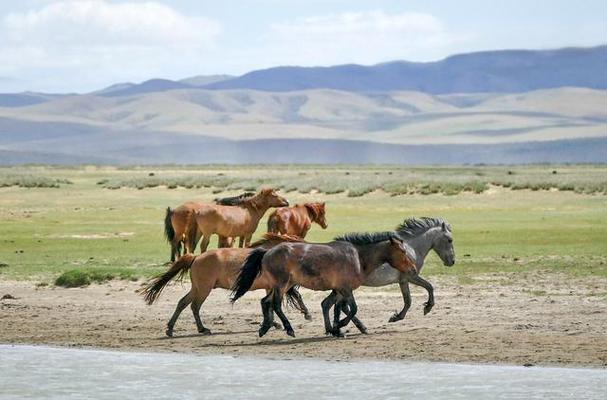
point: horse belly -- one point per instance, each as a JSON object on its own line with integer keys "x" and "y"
{"x": 382, "y": 276}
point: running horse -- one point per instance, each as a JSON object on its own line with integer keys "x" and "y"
{"x": 180, "y": 224}
{"x": 423, "y": 235}
{"x": 212, "y": 269}
{"x": 297, "y": 220}
{"x": 340, "y": 266}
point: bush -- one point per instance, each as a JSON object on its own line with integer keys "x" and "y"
{"x": 80, "y": 277}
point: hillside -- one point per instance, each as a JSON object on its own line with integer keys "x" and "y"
{"x": 503, "y": 71}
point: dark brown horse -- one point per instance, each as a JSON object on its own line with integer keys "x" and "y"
{"x": 180, "y": 224}
{"x": 297, "y": 220}
{"x": 236, "y": 221}
{"x": 340, "y": 266}
{"x": 215, "y": 269}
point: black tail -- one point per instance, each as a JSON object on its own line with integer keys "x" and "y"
{"x": 249, "y": 271}
{"x": 169, "y": 232}
{"x": 180, "y": 267}
{"x": 293, "y": 299}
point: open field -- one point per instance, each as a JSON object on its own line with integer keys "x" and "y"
{"x": 529, "y": 285}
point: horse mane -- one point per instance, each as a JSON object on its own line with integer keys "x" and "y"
{"x": 313, "y": 208}
{"x": 277, "y": 238}
{"x": 366, "y": 238}
{"x": 234, "y": 200}
{"x": 412, "y": 227}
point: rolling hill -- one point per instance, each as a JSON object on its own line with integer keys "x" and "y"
{"x": 347, "y": 113}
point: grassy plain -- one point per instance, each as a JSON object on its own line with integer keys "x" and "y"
{"x": 80, "y": 223}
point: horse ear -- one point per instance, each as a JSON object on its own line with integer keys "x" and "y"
{"x": 444, "y": 227}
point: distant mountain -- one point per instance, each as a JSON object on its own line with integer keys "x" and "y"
{"x": 114, "y": 88}
{"x": 25, "y": 99}
{"x": 202, "y": 80}
{"x": 507, "y": 71}
{"x": 150, "y": 86}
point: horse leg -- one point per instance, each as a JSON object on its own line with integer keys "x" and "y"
{"x": 277, "y": 304}
{"x": 419, "y": 281}
{"x": 196, "y": 304}
{"x": 349, "y": 307}
{"x": 181, "y": 305}
{"x": 326, "y": 305}
{"x": 274, "y": 323}
{"x": 205, "y": 242}
{"x": 241, "y": 241}
{"x": 406, "y": 291}
{"x": 268, "y": 314}
{"x": 247, "y": 241}
{"x": 357, "y": 322}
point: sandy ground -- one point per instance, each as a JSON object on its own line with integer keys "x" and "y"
{"x": 490, "y": 321}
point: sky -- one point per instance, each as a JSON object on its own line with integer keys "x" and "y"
{"x": 84, "y": 45}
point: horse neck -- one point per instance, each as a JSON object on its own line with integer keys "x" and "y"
{"x": 372, "y": 256}
{"x": 257, "y": 206}
{"x": 422, "y": 245}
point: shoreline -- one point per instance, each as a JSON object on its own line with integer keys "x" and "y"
{"x": 471, "y": 324}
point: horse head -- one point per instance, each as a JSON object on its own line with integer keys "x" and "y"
{"x": 443, "y": 245}
{"x": 317, "y": 210}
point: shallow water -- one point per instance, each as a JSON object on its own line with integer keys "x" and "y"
{"x": 33, "y": 372}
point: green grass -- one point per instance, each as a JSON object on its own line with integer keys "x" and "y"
{"x": 84, "y": 277}
{"x": 85, "y": 226}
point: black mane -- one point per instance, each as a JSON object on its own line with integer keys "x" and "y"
{"x": 412, "y": 227}
{"x": 234, "y": 200}
{"x": 365, "y": 238}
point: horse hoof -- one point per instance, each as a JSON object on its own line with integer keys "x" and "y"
{"x": 205, "y": 332}
{"x": 169, "y": 332}
{"x": 394, "y": 318}
{"x": 263, "y": 330}
{"x": 364, "y": 331}
{"x": 290, "y": 332}
{"x": 427, "y": 308}
{"x": 337, "y": 333}
{"x": 308, "y": 317}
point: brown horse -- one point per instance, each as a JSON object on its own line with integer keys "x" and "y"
{"x": 297, "y": 220}
{"x": 180, "y": 224}
{"x": 340, "y": 266}
{"x": 236, "y": 221}
{"x": 215, "y": 269}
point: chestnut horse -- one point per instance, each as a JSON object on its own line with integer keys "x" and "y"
{"x": 236, "y": 221}
{"x": 297, "y": 220}
{"x": 180, "y": 224}
{"x": 215, "y": 269}
{"x": 340, "y": 266}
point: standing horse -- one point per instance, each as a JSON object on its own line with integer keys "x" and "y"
{"x": 215, "y": 269}
{"x": 236, "y": 221}
{"x": 297, "y": 220}
{"x": 340, "y": 266}
{"x": 180, "y": 224}
{"x": 422, "y": 235}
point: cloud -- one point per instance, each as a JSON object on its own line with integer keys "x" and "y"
{"x": 364, "y": 37}
{"x": 104, "y": 37}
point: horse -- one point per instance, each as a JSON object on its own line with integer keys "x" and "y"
{"x": 422, "y": 235}
{"x": 180, "y": 224}
{"x": 215, "y": 269}
{"x": 298, "y": 219}
{"x": 341, "y": 266}
{"x": 236, "y": 221}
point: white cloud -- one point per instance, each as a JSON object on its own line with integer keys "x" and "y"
{"x": 96, "y": 37}
{"x": 364, "y": 37}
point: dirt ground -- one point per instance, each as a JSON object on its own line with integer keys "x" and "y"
{"x": 555, "y": 322}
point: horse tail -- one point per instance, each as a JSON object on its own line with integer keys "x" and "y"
{"x": 180, "y": 267}
{"x": 292, "y": 297}
{"x": 191, "y": 231}
{"x": 169, "y": 231}
{"x": 249, "y": 271}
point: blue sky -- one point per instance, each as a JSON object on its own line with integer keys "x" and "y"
{"x": 83, "y": 45}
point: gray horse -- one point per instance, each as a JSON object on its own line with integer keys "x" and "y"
{"x": 421, "y": 234}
